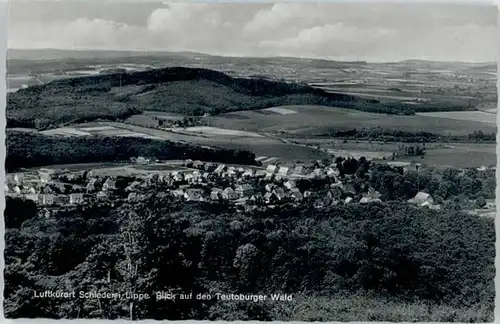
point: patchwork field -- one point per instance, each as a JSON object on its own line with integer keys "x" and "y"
{"x": 219, "y": 131}
{"x": 488, "y": 117}
{"x": 316, "y": 120}
{"x": 281, "y": 111}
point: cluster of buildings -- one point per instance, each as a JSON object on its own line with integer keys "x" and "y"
{"x": 41, "y": 188}
{"x": 196, "y": 181}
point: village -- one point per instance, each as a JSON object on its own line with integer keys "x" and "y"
{"x": 247, "y": 188}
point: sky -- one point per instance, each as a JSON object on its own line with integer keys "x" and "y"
{"x": 371, "y": 32}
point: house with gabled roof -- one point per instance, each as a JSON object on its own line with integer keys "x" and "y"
{"x": 177, "y": 176}
{"x": 296, "y": 195}
{"x": 271, "y": 171}
{"x": 30, "y": 190}
{"x": 76, "y": 198}
{"x": 271, "y": 168}
{"x": 241, "y": 201}
{"x": 283, "y": 171}
{"x": 216, "y": 194}
{"x": 177, "y": 193}
{"x": 109, "y": 184}
{"x": 133, "y": 186}
{"x": 45, "y": 175}
{"x": 256, "y": 198}
{"x": 290, "y": 184}
{"x": 102, "y": 194}
{"x": 244, "y": 190}
{"x": 33, "y": 197}
{"x": 319, "y": 173}
{"x": 220, "y": 168}
{"x": 47, "y": 199}
{"x": 270, "y": 198}
{"x": 330, "y": 172}
{"x": 92, "y": 185}
{"x": 198, "y": 164}
{"x": 421, "y": 198}
{"x": 367, "y": 200}
{"x": 280, "y": 193}
{"x": 249, "y": 173}
{"x": 209, "y": 166}
{"x": 47, "y": 190}
{"x": 229, "y": 194}
{"x": 189, "y": 177}
{"x": 193, "y": 194}
{"x": 231, "y": 171}
{"x": 298, "y": 170}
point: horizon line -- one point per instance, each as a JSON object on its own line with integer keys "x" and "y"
{"x": 244, "y": 56}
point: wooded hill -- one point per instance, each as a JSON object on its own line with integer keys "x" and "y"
{"x": 182, "y": 90}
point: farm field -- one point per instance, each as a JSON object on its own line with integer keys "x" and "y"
{"x": 439, "y": 154}
{"x": 460, "y": 157}
{"x": 261, "y": 146}
{"x": 163, "y": 115}
{"x": 206, "y": 130}
{"x": 83, "y": 166}
{"x": 239, "y": 130}
{"x": 326, "y": 119}
{"x": 474, "y": 116}
{"x": 280, "y": 110}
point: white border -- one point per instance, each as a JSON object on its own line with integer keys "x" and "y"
{"x": 3, "y": 45}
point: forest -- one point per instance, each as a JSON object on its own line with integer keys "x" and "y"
{"x": 430, "y": 265}
{"x": 390, "y": 135}
{"x": 189, "y": 91}
{"x": 26, "y": 150}
{"x": 437, "y": 264}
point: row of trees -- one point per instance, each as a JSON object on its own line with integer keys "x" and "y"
{"x": 470, "y": 184}
{"x": 390, "y": 135}
{"x": 159, "y": 244}
{"x": 26, "y": 150}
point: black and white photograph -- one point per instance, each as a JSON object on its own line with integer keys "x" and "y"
{"x": 239, "y": 161}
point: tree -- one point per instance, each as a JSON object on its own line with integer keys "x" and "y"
{"x": 481, "y": 202}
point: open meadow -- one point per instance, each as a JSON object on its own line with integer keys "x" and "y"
{"x": 318, "y": 120}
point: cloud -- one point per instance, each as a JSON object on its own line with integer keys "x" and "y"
{"x": 79, "y": 34}
{"x": 183, "y": 16}
{"x": 323, "y": 30}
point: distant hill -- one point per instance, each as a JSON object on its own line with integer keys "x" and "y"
{"x": 59, "y": 54}
{"x": 182, "y": 90}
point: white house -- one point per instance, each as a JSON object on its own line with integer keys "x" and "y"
{"x": 421, "y": 197}
{"x": 194, "y": 195}
{"x": 290, "y": 184}
{"x": 220, "y": 168}
{"x": 33, "y": 197}
{"x": 244, "y": 190}
{"x": 280, "y": 193}
{"x": 216, "y": 194}
{"x": 109, "y": 184}
{"x": 283, "y": 171}
{"x": 47, "y": 199}
{"x": 229, "y": 194}
{"x": 76, "y": 198}
{"x": 296, "y": 195}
